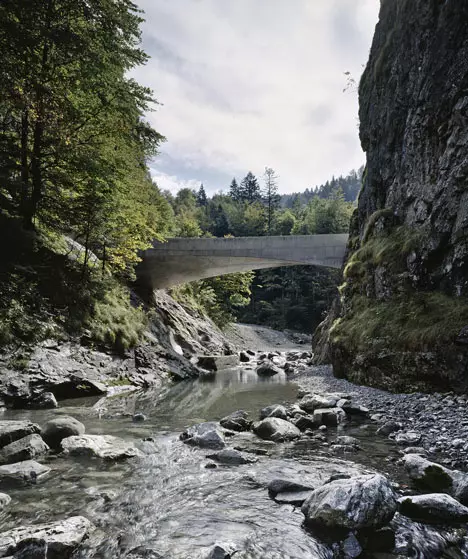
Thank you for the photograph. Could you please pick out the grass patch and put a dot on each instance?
(416, 321)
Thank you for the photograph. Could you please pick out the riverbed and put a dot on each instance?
(169, 503)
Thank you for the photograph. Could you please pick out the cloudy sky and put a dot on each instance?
(245, 84)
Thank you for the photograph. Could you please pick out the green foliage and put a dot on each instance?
(386, 248)
(114, 321)
(412, 321)
(219, 298)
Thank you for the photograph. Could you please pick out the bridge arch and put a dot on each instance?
(187, 259)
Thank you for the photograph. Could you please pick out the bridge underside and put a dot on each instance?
(184, 260)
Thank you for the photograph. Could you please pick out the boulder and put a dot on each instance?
(435, 508)
(428, 475)
(304, 422)
(215, 363)
(288, 492)
(4, 500)
(354, 409)
(289, 368)
(347, 441)
(274, 411)
(106, 447)
(388, 428)
(204, 435)
(218, 552)
(43, 401)
(23, 449)
(62, 538)
(55, 430)
(315, 401)
(329, 416)
(236, 421)
(11, 431)
(359, 502)
(410, 438)
(139, 418)
(28, 471)
(142, 552)
(268, 369)
(231, 457)
(276, 429)
(415, 450)
(244, 357)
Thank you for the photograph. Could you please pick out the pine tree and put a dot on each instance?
(249, 190)
(201, 196)
(234, 192)
(271, 197)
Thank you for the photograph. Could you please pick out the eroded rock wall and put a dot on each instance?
(406, 274)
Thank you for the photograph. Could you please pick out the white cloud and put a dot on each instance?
(250, 83)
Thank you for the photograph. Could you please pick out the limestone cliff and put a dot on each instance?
(403, 305)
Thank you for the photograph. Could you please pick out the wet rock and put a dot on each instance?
(348, 441)
(204, 435)
(268, 369)
(23, 449)
(43, 401)
(408, 438)
(77, 387)
(4, 500)
(211, 466)
(11, 431)
(274, 411)
(106, 447)
(343, 449)
(388, 428)
(244, 357)
(435, 508)
(311, 403)
(139, 418)
(62, 538)
(378, 541)
(426, 474)
(359, 502)
(236, 421)
(304, 422)
(289, 368)
(142, 552)
(28, 471)
(55, 430)
(415, 450)
(355, 409)
(32, 548)
(230, 457)
(288, 492)
(217, 362)
(350, 547)
(275, 429)
(218, 552)
(329, 416)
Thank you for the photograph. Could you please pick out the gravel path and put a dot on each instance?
(261, 338)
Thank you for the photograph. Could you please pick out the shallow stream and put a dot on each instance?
(169, 502)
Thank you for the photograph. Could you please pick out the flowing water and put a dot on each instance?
(169, 502)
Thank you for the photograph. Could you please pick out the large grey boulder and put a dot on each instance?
(276, 429)
(329, 416)
(55, 430)
(43, 401)
(274, 411)
(204, 435)
(268, 369)
(11, 431)
(106, 447)
(62, 538)
(435, 508)
(20, 473)
(236, 421)
(26, 448)
(408, 438)
(428, 475)
(359, 502)
(314, 402)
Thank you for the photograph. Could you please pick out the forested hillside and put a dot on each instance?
(77, 202)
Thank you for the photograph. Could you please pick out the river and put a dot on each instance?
(168, 501)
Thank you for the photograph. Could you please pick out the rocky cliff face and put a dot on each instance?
(403, 305)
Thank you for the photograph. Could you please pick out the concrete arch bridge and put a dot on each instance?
(187, 259)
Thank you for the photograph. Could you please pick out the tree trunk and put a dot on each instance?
(24, 163)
